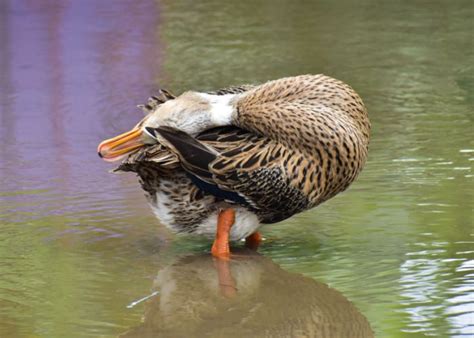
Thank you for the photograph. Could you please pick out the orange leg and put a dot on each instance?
(225, 220)
(253, 241)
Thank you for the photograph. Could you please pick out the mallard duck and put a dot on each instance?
(223, 163)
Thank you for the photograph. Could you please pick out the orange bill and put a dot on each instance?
(119, 146)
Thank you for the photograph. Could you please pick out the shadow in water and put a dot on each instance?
(248, 296)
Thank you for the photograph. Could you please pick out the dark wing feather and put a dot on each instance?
(238, 166)
(264, 174)
(195, 157)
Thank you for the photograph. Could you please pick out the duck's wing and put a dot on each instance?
(240, 167)
(158, 155)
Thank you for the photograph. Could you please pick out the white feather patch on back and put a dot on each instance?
(222, 109)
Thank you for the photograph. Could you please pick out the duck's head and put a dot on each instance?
(191, 112)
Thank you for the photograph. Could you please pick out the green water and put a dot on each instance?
(77, 245)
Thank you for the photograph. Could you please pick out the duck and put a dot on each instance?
(223, 163)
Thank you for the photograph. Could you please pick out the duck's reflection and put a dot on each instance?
(248, 296)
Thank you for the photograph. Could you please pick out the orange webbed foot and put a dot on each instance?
(253, 241)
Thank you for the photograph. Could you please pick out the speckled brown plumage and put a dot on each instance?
(321, 127)
(294, 143)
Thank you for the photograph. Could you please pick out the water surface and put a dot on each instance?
(77, 244)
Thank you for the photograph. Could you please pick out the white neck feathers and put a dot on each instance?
(222, 110)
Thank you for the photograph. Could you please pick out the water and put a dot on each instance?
(77, 244)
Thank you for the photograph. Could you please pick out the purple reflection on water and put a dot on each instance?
(71, 73)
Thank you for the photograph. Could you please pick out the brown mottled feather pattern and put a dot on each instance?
(296, 142)
(322, 123)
